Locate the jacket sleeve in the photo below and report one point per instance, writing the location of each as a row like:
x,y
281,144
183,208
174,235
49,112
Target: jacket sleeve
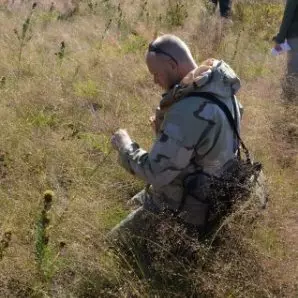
x,y
173,148
287,20
167,158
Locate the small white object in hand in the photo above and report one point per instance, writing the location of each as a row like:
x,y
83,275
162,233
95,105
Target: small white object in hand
x,y
121,140
285,47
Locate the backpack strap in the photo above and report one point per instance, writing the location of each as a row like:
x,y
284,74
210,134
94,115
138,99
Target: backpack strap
x,y
228,114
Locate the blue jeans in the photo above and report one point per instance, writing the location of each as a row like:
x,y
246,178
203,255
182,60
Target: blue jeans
x,y
139,221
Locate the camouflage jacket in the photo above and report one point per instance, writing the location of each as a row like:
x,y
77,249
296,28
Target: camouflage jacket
x,y
194,134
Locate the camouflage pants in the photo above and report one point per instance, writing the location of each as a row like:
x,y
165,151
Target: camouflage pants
x,y
147,235
132,238
138,222
143,222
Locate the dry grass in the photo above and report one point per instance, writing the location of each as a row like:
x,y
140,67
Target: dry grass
x,y
58,112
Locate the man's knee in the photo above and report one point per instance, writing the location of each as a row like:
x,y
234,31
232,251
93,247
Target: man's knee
x,y
125,226
138,199
136,225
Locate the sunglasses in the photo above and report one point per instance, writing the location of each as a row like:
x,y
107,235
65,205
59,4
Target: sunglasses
x,y
155,49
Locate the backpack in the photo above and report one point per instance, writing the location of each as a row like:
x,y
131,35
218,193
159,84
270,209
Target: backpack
x,y
218,195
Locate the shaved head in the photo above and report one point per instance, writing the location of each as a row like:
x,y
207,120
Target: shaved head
x,y
175,47
169,60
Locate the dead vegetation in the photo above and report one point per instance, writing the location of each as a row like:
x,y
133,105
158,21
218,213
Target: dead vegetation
x,y
82,76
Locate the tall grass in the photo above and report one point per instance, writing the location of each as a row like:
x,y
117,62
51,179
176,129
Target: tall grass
x,y
57,117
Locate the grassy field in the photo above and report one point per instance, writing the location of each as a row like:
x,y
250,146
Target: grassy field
x,y
67,81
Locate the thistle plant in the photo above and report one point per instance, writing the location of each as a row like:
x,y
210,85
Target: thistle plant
x,y
92,5
61,53
4,243
42,237
2,82
237,45
120,16
143,9
107,27
52,7
24,36
107,4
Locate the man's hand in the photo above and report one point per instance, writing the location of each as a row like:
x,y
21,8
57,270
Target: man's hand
x,y
278,47
120,139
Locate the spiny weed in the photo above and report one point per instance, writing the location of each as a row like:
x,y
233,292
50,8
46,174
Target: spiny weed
x,y
4,243
105,32
3,164
46,257
92,5
24,37
158,24
52,7
42,237
237,45
143,9
2,82
120,16
61,53
107,4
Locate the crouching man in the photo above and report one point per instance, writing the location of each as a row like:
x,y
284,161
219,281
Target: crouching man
x,y
195,138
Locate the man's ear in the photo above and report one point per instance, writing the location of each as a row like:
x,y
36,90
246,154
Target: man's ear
x,y
173,65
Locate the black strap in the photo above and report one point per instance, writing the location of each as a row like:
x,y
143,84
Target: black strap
x,y
235,109
234,126
228,114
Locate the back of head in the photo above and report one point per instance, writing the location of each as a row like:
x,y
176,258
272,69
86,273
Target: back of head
x,y
174,46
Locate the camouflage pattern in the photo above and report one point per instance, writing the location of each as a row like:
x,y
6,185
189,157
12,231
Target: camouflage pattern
x,y
194,135
138,199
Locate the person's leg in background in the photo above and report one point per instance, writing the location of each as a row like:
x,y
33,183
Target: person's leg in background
x,y
215,2
293,57
291,82
225,7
